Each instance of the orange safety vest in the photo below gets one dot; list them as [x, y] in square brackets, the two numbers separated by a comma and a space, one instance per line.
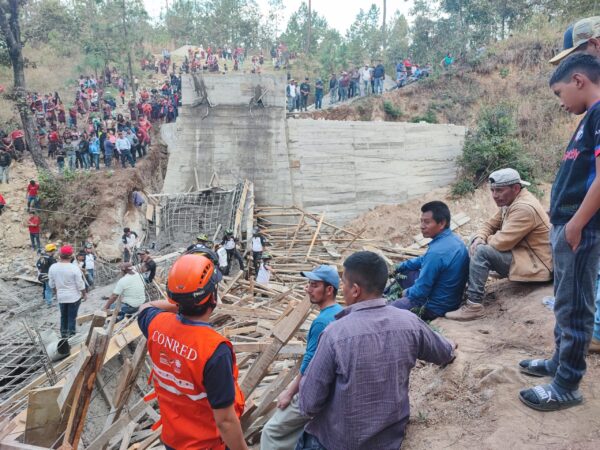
[179, 353]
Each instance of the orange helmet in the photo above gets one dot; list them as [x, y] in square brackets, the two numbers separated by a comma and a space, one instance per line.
[191, 281]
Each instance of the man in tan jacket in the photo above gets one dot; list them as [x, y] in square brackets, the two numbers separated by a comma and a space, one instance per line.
[515, 243]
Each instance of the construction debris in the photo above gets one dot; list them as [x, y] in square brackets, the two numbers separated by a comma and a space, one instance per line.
[267, 325]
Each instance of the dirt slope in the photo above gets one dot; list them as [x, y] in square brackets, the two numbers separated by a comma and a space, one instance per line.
[473, 403]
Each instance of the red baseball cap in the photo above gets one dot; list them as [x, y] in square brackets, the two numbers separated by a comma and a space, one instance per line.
[66, 250]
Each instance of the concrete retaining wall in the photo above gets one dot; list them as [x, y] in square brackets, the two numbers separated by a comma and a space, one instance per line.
[341, 168]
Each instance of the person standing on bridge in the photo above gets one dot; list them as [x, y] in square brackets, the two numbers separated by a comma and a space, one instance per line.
[304, 92]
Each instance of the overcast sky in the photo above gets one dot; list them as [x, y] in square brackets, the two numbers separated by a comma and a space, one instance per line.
[339, 14]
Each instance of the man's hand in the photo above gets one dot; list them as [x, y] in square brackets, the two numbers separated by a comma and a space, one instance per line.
[573, 235]
[284, 399]
[476, 243]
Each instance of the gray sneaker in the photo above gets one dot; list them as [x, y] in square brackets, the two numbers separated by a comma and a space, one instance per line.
[468, 311]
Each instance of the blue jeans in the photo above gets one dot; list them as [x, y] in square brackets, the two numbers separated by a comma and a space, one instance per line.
[86, 160]
[35, 241]
[575, 275]
[126, 156]
[72, 160]
[379, 85]
[96, 160]
[47, 293]
[90, 276]
[318, 100]
[108, 159]
[125, 310]
[333, 95]
[68, 314]
[33, 199]
[597, 316]
[309, 442]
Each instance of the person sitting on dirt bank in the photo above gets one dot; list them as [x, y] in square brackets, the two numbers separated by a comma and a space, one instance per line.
[132, 290]
[515, 243]
[441, 272]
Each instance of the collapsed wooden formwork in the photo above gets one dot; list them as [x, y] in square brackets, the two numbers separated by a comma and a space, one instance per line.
[98, 401]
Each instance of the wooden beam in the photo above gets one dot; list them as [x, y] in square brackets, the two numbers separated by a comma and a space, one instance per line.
[117, 427]
[312, 242]
[98, 320]
[83, 396]
[300, 224]
[282, 333]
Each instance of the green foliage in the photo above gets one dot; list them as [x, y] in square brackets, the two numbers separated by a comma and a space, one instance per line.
[463, 187]
[504, 72]
[429, 117]
[296, 32]
[393, 111]
[364, 37]
[493, 145]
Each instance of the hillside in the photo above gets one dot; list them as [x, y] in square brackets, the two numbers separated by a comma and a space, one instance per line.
[514, 72]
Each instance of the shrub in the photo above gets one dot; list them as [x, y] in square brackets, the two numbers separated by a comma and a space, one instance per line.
[391, 110]
[492, 146]
[428, 117]
[504, 72]
[462, 187]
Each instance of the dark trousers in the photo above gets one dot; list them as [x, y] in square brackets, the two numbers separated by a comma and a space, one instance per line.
[68, 315]
[35, 241]
[256, 257]
[409, 304]
[234, 254]
[575, 276]
[127, 156]
[309, 442]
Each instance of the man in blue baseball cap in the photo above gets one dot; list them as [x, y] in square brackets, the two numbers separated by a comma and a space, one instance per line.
[283, 430]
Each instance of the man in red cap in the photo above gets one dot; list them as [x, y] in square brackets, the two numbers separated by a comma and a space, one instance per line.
[66, 280]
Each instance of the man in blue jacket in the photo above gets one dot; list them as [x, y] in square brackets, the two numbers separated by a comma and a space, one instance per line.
[443, 269]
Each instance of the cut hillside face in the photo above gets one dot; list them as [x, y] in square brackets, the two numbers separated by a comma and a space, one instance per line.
[514, 72]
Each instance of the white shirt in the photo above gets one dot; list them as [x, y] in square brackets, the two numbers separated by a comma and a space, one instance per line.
[263, 275]
[89, 261]
[132, 289]
[365, 74]
[291, 90]
[67, 279]
[222, 254]
[257, 244]
[230, 244]
[123, 144]
[131, 239]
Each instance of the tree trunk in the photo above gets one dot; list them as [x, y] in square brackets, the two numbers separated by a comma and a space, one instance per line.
[129, 65]
[383, 27]
[309, 26]
[9, 25]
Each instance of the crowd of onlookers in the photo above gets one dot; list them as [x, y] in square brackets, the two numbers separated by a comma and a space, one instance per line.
[356, 82]
[98, 125]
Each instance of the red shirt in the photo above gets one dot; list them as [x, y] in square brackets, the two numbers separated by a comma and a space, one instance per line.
[34, 224]
[32, 190]
[53, 136]
[2, 201]
[17, 134]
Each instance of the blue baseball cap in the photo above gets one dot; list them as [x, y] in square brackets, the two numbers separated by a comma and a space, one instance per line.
[328, 274]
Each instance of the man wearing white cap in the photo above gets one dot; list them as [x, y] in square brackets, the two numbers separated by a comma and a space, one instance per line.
[515, 243]
[582, 36]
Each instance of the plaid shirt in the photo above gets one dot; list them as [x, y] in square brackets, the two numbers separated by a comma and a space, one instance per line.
[356, 386]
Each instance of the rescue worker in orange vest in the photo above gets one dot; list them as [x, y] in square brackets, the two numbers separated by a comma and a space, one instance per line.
[194, 369]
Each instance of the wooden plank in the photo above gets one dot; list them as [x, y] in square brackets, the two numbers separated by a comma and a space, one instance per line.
[150, 212]
[29, 279]
[43, 423]
[282, 333]
[130, 415]
[97, 346]
[312, 242]
[98, 320]
[127, 435]
[14, 445]
[73, 378]
[300, 224]
[121, 339]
